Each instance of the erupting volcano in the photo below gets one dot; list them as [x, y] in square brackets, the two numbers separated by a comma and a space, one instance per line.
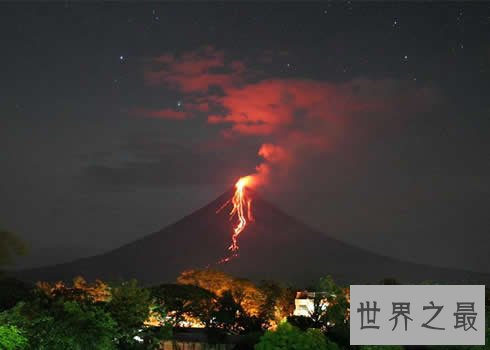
[242, 210]
[241, 200]
[275, 247]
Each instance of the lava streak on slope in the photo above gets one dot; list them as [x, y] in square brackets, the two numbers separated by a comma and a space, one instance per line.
[242, 210]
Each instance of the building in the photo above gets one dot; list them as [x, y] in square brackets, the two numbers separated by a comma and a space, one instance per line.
[304, 303]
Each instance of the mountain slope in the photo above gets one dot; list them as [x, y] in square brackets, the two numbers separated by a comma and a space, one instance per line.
[275, 246]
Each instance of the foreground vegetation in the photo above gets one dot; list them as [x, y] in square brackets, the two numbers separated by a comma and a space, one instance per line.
[81, 316]
[100, 315]
[124, 315]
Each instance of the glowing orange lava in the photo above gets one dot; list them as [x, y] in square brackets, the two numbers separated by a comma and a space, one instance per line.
[242, 209]
[240, 203]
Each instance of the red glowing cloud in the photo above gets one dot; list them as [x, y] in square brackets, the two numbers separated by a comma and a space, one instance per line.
[165, 113]
[273, 153]
[294, 116]
[293, 119]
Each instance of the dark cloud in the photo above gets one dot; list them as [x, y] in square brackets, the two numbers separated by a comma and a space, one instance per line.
[194, 71]
[147, 163]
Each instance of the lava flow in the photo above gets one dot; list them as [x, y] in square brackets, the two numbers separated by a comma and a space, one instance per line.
[242, 209]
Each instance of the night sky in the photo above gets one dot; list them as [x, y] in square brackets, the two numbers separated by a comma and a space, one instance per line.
[119, 119]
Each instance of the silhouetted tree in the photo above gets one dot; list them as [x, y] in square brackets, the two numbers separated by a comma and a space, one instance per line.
[302, 322]
[10, 247]
[227, 312]
[244, 292]
[181, 301]
[279, 301]
[129, 306]
[12, 291]
[389, 281]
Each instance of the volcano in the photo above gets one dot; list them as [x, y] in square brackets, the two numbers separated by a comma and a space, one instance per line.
[274, 246]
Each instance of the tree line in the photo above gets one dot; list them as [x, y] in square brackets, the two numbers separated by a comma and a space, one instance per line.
[102, 315]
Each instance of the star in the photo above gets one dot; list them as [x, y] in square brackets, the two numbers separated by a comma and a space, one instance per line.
[179, 103]
[121, 58]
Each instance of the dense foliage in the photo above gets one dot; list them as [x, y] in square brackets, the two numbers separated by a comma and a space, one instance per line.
[11, 338]
[244, 292]
[60, 324]
[103, 316]
[185, 303]
[82, 317]
[287, 337]
[130, 308]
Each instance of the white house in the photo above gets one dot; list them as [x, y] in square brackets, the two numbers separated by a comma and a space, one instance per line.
[304, 303]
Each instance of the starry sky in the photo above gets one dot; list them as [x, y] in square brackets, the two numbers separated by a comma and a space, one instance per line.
[371, 121]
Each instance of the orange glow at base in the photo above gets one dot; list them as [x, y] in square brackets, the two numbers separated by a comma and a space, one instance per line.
[242, 209]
